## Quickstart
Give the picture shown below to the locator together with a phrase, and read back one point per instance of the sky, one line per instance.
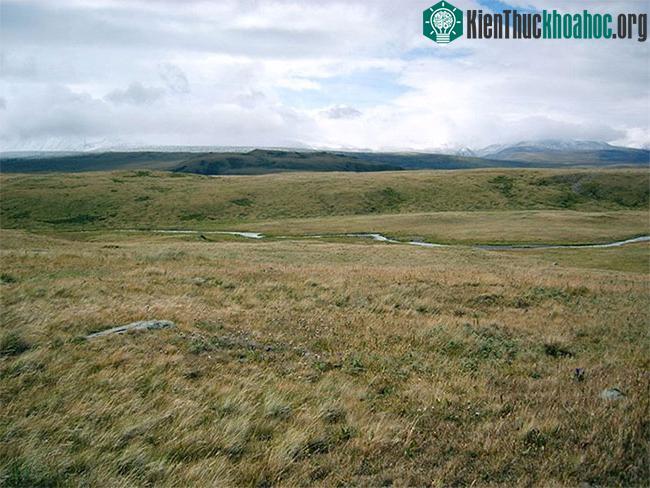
(353, 74)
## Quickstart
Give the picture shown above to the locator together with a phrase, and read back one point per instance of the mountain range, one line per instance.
(232, 160)
(569, 152)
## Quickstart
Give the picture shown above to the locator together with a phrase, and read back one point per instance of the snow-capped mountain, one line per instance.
(565, 151)
(544, 145)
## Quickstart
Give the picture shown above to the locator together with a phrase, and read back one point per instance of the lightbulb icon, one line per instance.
(443, 22)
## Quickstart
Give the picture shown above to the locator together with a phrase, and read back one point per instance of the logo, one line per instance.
(442, 22)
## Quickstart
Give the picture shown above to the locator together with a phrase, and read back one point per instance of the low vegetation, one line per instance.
(307, 362)
(12, 343)
(494, 227)
(337, 361)
(165, 200)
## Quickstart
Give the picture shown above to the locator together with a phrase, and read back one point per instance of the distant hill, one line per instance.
(253, 162)
(105, 161)
(268, 161)
(445, 161)
(568, 153)
(258, 161)
(541, 154)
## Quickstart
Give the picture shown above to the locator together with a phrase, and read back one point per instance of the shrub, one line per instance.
(12, 344)
(557, 350)
(7, 278)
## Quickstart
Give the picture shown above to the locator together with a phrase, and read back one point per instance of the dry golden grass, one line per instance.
(312, 363)
(498, 227)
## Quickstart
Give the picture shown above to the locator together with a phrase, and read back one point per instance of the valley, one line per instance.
(287, 359)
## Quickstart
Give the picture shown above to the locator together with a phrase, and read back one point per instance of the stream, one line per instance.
(383, 238)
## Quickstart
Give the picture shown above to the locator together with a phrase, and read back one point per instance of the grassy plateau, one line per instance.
(332, 361)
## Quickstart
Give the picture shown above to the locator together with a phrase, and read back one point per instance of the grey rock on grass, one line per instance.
(141, 325)
(612, 394)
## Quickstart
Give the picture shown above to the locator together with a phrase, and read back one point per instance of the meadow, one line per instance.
(327, 362)
(155, 200)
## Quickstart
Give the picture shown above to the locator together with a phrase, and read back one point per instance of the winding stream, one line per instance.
(383, 238)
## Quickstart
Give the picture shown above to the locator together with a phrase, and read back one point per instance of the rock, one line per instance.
(141, 325)
(611, 394)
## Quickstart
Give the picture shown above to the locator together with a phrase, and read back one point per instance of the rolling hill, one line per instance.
(261, 161)
(543, 154)
(257, 161)
(147, 199)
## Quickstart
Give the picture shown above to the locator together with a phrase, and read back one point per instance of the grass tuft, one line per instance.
(12, 344)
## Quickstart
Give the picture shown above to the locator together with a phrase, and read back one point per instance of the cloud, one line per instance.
(332, 74)
(71, 120)
(251, 99)
(174, 78)
(136, 94)
(341, 112)
(16, 66)
(62, 114)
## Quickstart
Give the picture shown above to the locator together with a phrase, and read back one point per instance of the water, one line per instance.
(382, 238)
(249, 235)
(567, 246)
(374, 237)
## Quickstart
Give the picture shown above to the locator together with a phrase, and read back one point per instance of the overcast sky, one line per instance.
(334, 74)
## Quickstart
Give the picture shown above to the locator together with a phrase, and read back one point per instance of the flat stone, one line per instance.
(141, 325)
(611, 394)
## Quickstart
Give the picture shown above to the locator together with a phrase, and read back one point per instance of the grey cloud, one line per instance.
(174, 78)
(136, 94)
(62, 113)
(16, 66)
(69, 120)
(3, 103)
(547, 128)
(132, 27)
(341, 112)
